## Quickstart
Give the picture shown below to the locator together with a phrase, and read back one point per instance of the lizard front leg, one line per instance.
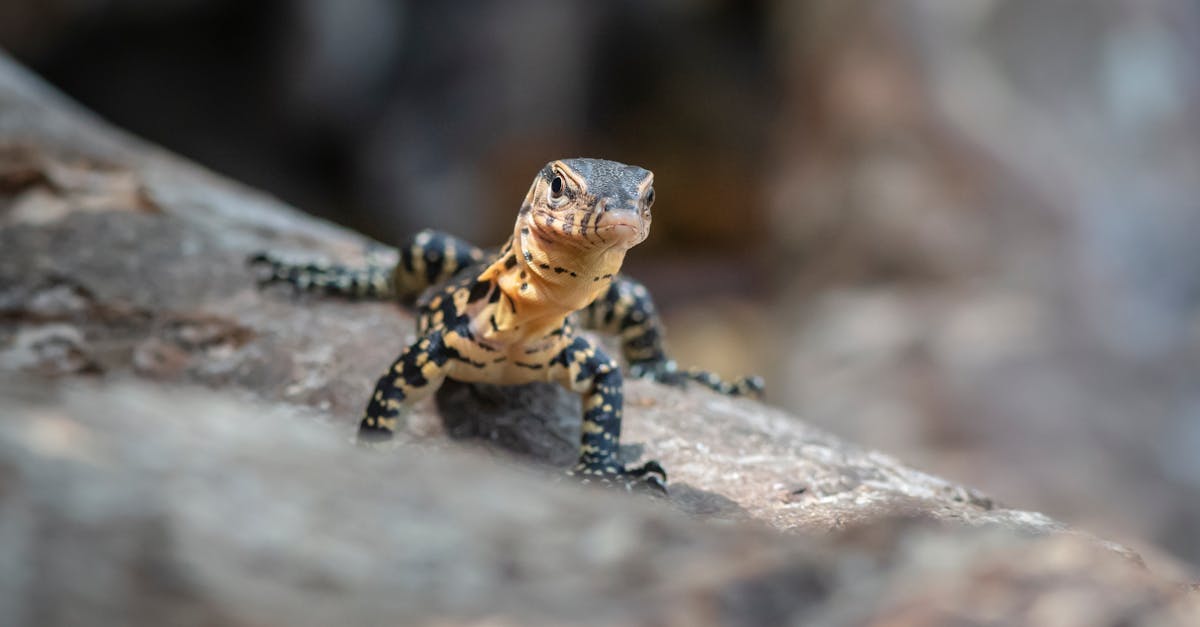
(417, 373)
(585, 368)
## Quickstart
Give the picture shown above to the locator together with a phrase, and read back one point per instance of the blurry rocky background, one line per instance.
(963, 231)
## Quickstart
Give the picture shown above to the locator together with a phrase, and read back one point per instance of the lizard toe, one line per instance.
(649, 477)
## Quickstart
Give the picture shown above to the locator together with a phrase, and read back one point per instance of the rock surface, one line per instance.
(236, 500)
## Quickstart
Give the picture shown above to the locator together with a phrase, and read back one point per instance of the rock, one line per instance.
(136, 503)
(189, 464)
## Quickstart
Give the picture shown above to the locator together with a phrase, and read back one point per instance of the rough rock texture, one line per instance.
(236, 500)
(130, 503)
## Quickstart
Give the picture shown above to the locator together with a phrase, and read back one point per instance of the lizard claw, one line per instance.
(649, 482)
(266, 268)
(260, 257)
(649, 476)
(373, 437)
(653, 476)
(750, 386)
(648, 469)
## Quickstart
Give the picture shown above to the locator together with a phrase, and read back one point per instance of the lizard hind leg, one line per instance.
(372, 282)
(627, 310)
(425, 259)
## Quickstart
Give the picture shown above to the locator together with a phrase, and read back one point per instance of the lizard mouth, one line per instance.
(609, 229)
(623, 227)
(627, 232)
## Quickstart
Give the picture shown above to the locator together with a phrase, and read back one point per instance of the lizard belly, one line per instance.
(501, 363)
(501, 374)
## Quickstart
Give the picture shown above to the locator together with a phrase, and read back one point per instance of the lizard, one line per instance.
(512, 317)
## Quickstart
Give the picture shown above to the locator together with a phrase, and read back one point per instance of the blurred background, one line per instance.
(966, 232)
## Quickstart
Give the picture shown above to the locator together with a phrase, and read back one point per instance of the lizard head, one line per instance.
(588, 205)
(578, 220)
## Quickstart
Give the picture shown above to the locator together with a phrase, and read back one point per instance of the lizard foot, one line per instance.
(268, 268)
(649, 476)
(376, 438)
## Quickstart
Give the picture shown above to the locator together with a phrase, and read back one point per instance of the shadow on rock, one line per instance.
(540, 422)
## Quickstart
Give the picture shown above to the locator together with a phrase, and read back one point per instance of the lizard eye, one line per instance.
(556, 187)
(650, 198)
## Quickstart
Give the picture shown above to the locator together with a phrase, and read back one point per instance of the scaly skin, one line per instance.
(511, 318)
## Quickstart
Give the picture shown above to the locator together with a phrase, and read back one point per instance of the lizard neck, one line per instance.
(542, 281)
